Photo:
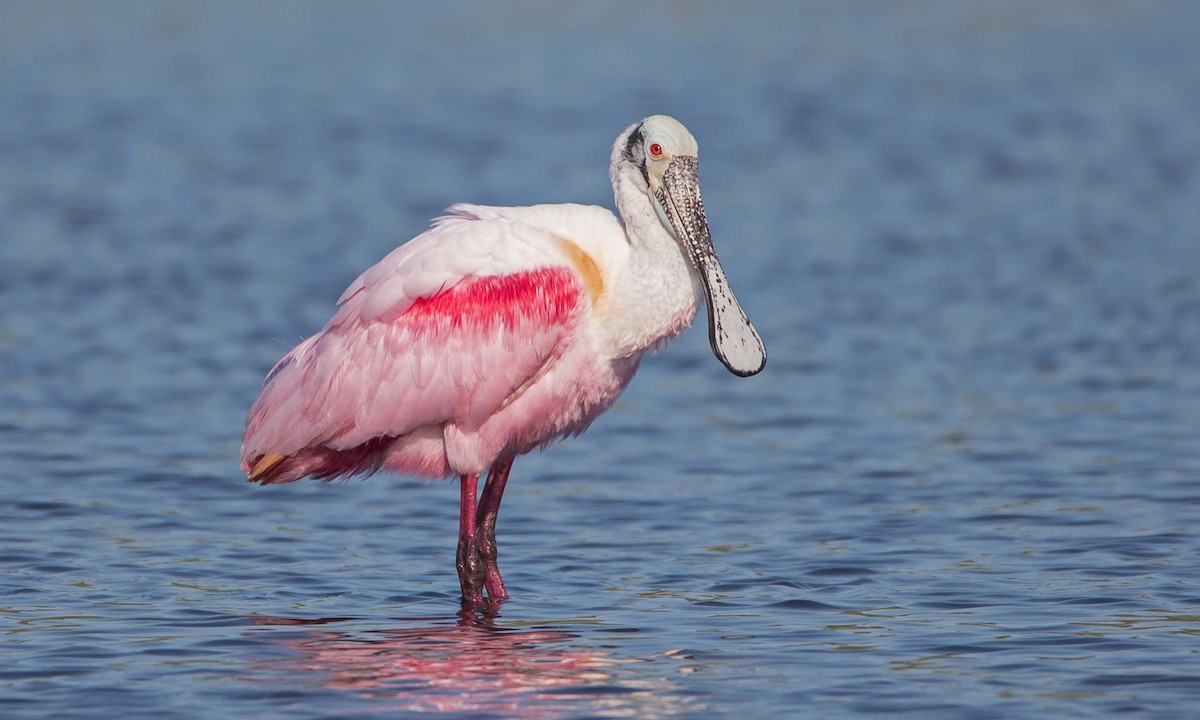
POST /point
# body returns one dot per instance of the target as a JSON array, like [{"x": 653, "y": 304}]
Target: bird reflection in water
[{"x": 472, "y": 666}]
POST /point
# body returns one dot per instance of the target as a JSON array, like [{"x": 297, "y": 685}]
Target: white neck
[{"x": 657, "y": 293}]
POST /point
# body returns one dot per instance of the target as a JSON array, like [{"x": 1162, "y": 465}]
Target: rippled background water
[{"x": 965, "y": 486}]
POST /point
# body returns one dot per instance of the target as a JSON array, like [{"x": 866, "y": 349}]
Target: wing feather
[{"x": 444, "y": 329}]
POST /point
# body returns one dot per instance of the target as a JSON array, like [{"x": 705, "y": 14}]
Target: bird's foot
[
  {"x": 487, "y": 553},
  {"x": 495, "y": 584},
  {"x": 486, "y": 538},
  {"x": 471, "y": 572}
]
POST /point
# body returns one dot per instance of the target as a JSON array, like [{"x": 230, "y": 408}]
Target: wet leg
[
  {"x": 489, "y": 507},
  {"x": 470, "y": 566}
]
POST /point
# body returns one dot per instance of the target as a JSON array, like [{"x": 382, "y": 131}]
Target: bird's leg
[
  {"x": 489, "y": 506},
  {"x": 470, "y": 566}
]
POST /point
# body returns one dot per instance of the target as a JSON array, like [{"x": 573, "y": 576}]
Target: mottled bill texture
[{"x": 734, "y": 340}]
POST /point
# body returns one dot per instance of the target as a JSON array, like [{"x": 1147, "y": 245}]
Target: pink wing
[{"x": 389, "y": 364}]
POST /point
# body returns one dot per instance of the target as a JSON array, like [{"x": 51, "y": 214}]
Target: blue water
[{"x": 965, "y": 486}]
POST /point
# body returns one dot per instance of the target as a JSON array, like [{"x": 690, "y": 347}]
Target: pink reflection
[{"x": 470, "y": 667}]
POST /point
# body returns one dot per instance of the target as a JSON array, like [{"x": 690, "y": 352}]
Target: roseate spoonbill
[{"x": 497, "y": 331}]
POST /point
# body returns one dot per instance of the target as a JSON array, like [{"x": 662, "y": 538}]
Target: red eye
[{"x": 655, "y": 150}]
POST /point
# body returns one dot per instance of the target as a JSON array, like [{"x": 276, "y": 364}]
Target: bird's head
[{"x": 660, "y": 157}]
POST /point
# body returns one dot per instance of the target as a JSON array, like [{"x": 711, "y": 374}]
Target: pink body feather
[{"x": 435, "y": 384}]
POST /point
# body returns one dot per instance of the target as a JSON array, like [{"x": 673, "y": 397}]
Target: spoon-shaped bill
[{"x": 733, "y": 338}]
